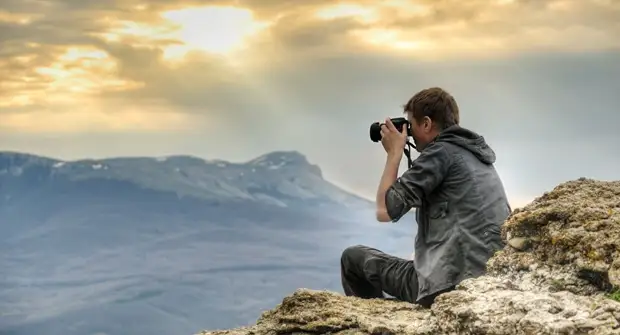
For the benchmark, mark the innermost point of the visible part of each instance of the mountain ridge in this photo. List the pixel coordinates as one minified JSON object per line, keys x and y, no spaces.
{"x":291,"y":155}
{"x":278,"y":178}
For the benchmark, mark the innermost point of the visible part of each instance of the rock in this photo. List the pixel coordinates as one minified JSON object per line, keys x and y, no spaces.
{"x":322,"y":312}
{"x":576,"y":227}
{"x":489,"y":305}
{"x":520,"y":243}
{"x":557,"y":275}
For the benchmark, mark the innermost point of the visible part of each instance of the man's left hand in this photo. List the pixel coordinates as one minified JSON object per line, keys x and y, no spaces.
{"x":393,"y":141}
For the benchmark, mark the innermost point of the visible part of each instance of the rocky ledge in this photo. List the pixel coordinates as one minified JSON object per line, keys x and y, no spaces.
{"x":558,"y":274}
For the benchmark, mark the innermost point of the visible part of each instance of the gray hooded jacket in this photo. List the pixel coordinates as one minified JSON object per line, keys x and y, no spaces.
{"x":461,"y":205}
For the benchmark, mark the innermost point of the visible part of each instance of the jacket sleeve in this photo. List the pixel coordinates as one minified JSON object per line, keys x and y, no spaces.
{"x":427,"y":172}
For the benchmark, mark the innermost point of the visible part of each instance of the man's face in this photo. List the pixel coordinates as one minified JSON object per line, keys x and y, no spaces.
{"x":422,"y":132}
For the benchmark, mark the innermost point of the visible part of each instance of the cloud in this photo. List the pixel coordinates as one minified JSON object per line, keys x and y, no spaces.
{"x":59,"y":76}
{"x":537,"y":78}
{"x":451,"y":29}
{"x":108,"y":116}
{"x":139,"y":43}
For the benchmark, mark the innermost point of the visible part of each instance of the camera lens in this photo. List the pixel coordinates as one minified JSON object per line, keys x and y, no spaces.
{"x":375,"y":132}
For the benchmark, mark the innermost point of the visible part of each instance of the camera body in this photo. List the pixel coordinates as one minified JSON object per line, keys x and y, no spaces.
{"x":399,"y":123}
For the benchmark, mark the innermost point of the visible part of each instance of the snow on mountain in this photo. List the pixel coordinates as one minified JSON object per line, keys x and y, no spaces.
{"x":279,"y":178}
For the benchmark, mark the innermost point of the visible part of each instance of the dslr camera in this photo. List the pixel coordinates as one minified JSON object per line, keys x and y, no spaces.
{"x":399,"y":123}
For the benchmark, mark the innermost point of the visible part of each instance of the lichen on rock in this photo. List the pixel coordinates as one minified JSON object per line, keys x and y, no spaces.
{"x":557,"y":274}
{"x":573,"y":235}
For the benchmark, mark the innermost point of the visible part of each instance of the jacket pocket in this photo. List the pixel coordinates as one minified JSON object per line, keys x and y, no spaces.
{"x":439,"y":225}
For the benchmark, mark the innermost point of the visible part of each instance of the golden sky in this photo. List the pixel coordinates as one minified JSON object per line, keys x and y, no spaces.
{"x":60,"y":56}
{"x":71,"y":69}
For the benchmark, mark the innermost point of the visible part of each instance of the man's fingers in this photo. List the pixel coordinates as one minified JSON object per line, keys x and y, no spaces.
{"x":404,"y":131}
{"x":384,"y":129}
{"x":390,"y":125}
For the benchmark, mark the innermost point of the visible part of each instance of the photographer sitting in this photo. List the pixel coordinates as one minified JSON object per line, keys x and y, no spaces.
{"x":460,"y":201}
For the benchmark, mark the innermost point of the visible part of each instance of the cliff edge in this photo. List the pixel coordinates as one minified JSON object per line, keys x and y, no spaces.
{"x":558,"y":274}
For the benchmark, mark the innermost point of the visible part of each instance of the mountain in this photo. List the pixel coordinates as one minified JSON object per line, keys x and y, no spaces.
{"x":280,"y":178}
{"x":168,"y":245}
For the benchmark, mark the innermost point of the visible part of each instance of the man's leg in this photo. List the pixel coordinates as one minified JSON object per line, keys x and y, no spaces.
{"x":367,"y":273}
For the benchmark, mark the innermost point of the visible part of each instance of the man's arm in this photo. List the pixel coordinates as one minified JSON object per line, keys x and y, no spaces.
{"x":396,"y":196}
{"x":390,"y":174}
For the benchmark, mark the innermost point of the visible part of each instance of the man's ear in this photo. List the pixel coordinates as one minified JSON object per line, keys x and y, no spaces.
{"x":428,"y":123}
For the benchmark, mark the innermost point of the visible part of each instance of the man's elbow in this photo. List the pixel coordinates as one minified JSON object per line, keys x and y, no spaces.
{"x":382,"y":215}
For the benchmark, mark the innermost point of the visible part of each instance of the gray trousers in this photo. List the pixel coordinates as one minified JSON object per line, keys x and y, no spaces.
{"x":368,"y":273}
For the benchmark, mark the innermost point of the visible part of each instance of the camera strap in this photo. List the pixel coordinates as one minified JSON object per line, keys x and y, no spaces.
{"x":408,"y":153}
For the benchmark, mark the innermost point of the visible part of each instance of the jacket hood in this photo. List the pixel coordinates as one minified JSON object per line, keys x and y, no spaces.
{"x":468,"y":140}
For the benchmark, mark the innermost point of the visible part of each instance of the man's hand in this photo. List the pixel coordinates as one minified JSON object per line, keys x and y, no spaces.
{"x":392,"y":140}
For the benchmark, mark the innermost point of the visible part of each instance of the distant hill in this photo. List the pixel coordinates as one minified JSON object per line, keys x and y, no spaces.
{"x":280,"y":178}
{"x":168,"y":245}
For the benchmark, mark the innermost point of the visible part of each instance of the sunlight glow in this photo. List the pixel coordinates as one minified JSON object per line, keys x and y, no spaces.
{"x":218,"y":30}
{"x":346,"y":10}
{"x":407,"y":7}
{"x":17,"y":18}
{"x":97,"y":117}
{"x":78,"y":72}
{"x":83,"y":70}
{"x":376,"y":34}
{"x":387,"y":38}
{"x":372,"y":13}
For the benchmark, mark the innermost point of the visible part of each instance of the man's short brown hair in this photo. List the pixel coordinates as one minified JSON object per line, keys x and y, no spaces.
{"x":435,"y":103}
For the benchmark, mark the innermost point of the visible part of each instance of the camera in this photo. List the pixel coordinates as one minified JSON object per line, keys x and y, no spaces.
{"x":399,"y":123}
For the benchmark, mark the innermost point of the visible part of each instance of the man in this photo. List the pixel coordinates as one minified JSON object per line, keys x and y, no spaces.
{"x":460,"y":202}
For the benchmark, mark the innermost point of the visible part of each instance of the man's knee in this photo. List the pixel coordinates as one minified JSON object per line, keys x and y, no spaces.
{"x":353,"y":254}
{"x":364,"y":260}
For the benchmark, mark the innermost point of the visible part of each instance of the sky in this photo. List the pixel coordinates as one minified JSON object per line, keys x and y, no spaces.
{"x":539,"y":79}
